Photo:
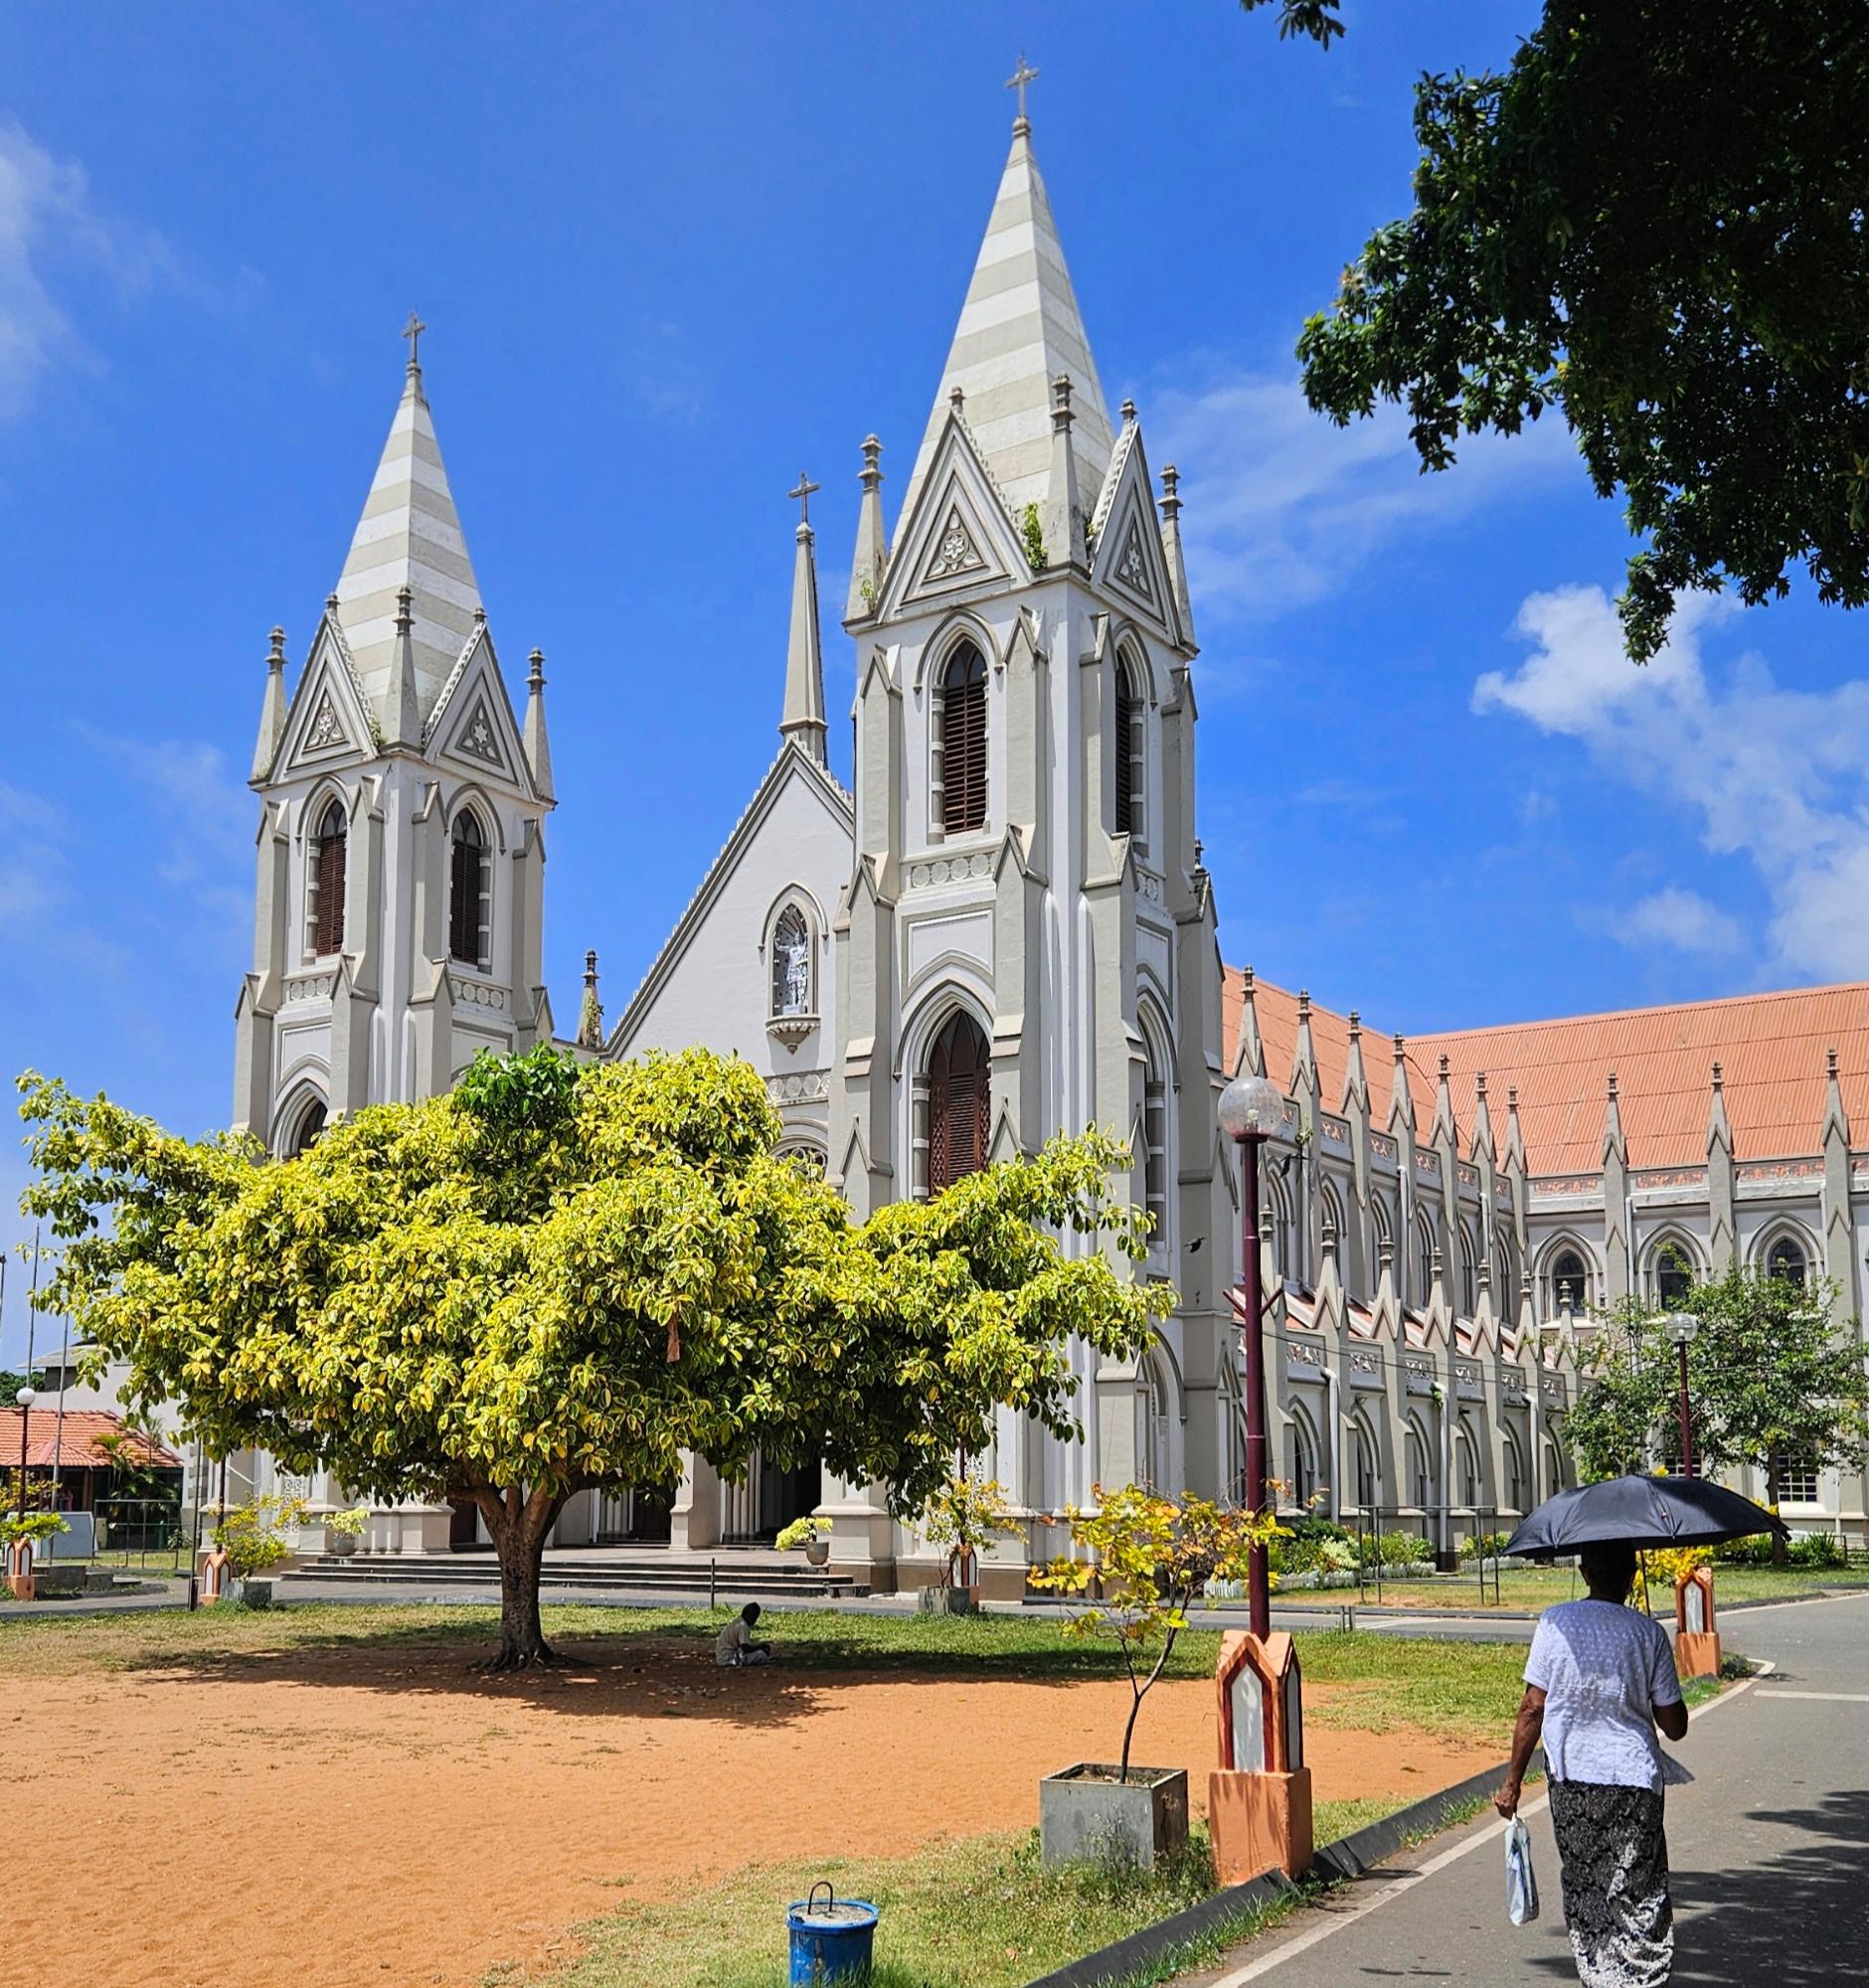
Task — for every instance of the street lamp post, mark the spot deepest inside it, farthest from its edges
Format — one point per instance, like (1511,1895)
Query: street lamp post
(1681,1326)
(1251,1109)
(25,1399)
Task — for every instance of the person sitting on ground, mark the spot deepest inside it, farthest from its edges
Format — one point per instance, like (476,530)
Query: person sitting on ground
(735,1646)
(1598,1682)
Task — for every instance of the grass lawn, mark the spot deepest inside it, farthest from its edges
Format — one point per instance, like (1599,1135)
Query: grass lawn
(1532,1589)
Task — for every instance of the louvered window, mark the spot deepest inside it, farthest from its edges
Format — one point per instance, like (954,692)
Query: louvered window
(1155,1155)
(961,773)
(959,1103)
(326,911)
(1130,814)
(468,894)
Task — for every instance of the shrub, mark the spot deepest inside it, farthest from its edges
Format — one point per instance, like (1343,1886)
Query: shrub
(1817,1550)
(1488,1546)
(348,1525)
(1668,1566)
(1395,1549)
(253,1535)
(802,1532)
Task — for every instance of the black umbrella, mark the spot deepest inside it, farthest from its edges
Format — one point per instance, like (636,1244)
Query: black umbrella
(1645,1511)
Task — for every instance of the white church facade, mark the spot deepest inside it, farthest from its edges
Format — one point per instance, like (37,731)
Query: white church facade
(1005,929)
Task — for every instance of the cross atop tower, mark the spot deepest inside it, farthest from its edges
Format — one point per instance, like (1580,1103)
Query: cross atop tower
(412,331)
(802,496)
(1018,81)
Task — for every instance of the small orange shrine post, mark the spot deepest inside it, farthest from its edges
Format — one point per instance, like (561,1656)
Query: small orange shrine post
(1259,1800)
(22,1582)
(214,1575)
(1696,1639)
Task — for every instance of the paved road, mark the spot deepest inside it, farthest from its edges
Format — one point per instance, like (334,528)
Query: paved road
(1769,1849)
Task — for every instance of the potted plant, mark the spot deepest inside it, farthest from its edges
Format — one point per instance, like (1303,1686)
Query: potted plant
(812,1534)
(966,1514)
(252,1536)
(1149,1556)
(344,1529)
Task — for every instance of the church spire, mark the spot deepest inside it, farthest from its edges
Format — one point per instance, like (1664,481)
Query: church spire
(1172,548)
(408,537)
(272,712)
(803,717)
(1019,329)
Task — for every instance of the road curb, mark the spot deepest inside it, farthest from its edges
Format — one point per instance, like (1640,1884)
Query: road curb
(1348,1857)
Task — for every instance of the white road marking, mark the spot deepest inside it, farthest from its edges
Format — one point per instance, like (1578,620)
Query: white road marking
(1255,1970)
(1828,1696)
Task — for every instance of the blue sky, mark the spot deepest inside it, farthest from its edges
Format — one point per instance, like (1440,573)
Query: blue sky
(669,256)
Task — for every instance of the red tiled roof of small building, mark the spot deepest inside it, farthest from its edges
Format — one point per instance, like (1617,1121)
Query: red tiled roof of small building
(76,1447)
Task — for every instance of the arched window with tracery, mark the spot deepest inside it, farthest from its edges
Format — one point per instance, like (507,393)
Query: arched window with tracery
(1424,1254)
(791,964)
(1671,1270)
(1469,1274)
(1130,754)
(959,1104)
(468,903)
(1787,1258)
(1570,1283)
(1420,1470)
(1304,1457)
(960,734)
(325,876)
(1514,1474)
(1155,1149)
(305,1128)
(1366,1472)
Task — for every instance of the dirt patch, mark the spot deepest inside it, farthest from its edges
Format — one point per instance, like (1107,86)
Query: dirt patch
(322,1819)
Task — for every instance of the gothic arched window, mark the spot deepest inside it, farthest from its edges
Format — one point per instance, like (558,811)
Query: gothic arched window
(959,1102)
(467,893)
(1421,1472)
(1130,747)
(326,876)
(1155,1147)
(1470,1280)
(1514,1474)
(1673,1272)
(1154,1407)
(1367,1478)
(1424,1254)
(1570,1283)
(1785,1259)
(791,964)
(1303,1458)
(305,1132)
(963,734)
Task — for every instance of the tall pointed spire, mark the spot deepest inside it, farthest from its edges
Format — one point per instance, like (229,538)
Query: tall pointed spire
(1019,329)
(803,717)
(538,744)
(402,700)
(871,563)
(272,711)
(408,537)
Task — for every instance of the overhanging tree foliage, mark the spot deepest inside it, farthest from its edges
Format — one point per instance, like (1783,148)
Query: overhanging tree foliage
(1653,221)
(561,1276)
(1773,1381)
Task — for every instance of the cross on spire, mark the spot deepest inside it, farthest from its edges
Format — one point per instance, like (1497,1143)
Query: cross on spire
(1018,81)
(802,495)
(412,331)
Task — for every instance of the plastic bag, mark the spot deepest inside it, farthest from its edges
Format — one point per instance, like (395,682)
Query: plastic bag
(1521,1887)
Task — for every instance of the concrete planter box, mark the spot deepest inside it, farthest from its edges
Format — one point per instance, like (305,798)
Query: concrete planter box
(250,1592)
(1085,1815)
(948,1600)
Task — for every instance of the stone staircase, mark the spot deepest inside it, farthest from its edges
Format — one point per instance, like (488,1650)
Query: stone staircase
(733,1573)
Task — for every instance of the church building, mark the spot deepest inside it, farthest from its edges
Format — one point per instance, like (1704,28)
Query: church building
(1004,929)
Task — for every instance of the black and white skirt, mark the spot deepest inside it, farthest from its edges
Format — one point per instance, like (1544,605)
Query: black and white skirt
(1613,1859)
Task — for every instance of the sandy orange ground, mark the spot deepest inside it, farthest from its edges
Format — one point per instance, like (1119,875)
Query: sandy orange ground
(323,1819)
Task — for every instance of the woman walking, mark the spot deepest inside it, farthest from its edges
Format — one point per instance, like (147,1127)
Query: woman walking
(1598,1682)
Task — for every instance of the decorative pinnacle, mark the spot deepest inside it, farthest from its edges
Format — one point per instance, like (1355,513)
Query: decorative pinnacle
(412,331)
(1829,1061)
(330,603)
(404,609)
(1305,1002)
(1018,79)
(957,399)
(1401,1046)
(1170,486)
(1128,412)
(803,497)
(591,957)
(1060,404)
(1511,1097)
(276,658)
(1716,1079)
(535,679)
(480,615)
(1444,1062)
(1479,1083)
(1246,978)
(1613,1085)
(871,472)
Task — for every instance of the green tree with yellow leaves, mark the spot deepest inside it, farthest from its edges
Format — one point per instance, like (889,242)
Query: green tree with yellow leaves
(561,1276)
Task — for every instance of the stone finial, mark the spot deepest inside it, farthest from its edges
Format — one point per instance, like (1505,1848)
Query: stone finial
(1062,416)
(1444,1062)
(871,475)
(330,602)
(1356,1023)
(957,399)
(404,609)
(535,679)
(1830,1056)
(480,615)
(591,1011)
(1246,976)
(1613,1086)
(1479,1085)
(1304,1003)
(1511,1095)
(1129,414)
(276,654)
(1401,1047)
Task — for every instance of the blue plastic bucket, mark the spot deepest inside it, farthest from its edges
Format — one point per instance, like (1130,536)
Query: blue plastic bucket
(831,1938)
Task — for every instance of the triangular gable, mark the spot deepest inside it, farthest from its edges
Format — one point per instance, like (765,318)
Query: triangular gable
(1126,558)
(472,725)
(792,763)
(959,534)
(328,722)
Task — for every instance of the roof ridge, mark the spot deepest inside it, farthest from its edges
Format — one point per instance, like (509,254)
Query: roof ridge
(1656,1008)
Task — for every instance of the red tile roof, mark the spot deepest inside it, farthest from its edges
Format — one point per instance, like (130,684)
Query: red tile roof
(76,1448)
(1772,1049)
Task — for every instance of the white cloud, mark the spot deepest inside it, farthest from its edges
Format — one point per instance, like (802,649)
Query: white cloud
(200,813)
(51,226)
(1775,773)
(1283,505)
(1683,920)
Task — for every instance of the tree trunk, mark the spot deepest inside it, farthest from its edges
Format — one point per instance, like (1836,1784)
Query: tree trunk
(1780,1552)
(519,1522)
